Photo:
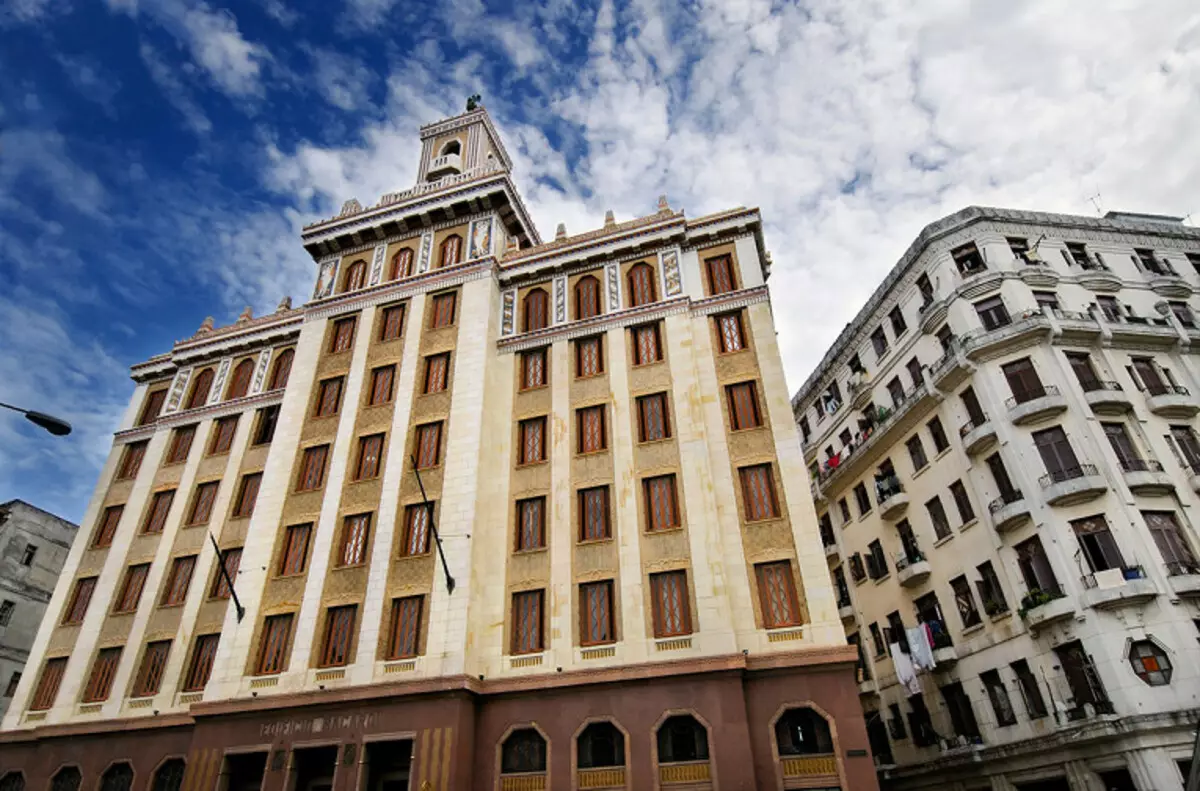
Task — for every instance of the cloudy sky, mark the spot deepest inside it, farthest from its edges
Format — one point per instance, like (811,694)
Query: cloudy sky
(158,157)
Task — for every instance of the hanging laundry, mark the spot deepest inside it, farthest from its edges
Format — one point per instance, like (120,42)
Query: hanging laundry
(922,647)
(905,673)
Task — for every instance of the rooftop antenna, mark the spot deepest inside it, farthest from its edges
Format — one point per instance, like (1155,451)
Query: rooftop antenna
(1095,200)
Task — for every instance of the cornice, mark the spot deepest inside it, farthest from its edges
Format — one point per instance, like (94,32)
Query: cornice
(256,337)
(433,280)
(211,411)
(599,242)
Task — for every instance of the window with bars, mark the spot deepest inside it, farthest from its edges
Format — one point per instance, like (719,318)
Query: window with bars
(587,298)
(48,683)
(450,252)
(153,406)
(672,609)
(729,332)
(442,314)
(104,670)
(356,535)
(341,337)
(179,579)
(154,665)
(273,645)
(535,310)
(239,383)
(106,528)
(329,397)
(391,323)
(743,406)
(591,429)
(401,264)
(355,276)
(181,444)
(654,422)
(202,503)
(647,344)
(131,460)
(266,420)
(533,369)
(81,597)
(312,468)
(532,437)
(131,588)
(594,524)
(247,495)
(777,594)
(404,636)
(339,635)
(720,274)
(527,635)
(200,386)
(370,454)
(382,381)
(200,668)
(589,357)
(429,445)
(437,373)
(223,431)
(531,524)
(282,369)
(758,492)
(662,503)
(641,285)
(596,613)
(417,519)
(293,556)
(231,559)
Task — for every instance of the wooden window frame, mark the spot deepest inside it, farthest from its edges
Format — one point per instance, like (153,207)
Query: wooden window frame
(220,589)
(523,541)
(523,427)
(133,585)
(602,492)
(181,444)
(433,362)
(438,307)
(644,407)
(278,629)
(782,571)
(106,528)
(428,452)
(658,586)
(153,524)
(772,495)
(374,398)
(307,458)
(153,668)
(264,417)
(402,630)
(131,460)
(281,368)
(198,394)
(412,528)
(46,691)
(596,308)
(534,600)
(240,379)
(726,260)
(543,367)
(737,403)
(535,310)
(671,480)
(223,433)
(722,341)
(152,406)
(329,397)
(201,509)
(179,581)
(200,665)
(354,549)
(354,277)
(337,641)
(100,679)
(341,335)
(655,330)
(80,601)
(579,356)
(391,323)
(639,278)
(364,468)
(247,496)
(450,251)
(401,266)
(588,636)
(289,558)
(583,416)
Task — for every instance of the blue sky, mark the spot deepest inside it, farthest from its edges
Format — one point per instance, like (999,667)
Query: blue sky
(158,157)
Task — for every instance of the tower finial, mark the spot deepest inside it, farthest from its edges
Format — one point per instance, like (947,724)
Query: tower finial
(561,233)
(609,220)
(663,206)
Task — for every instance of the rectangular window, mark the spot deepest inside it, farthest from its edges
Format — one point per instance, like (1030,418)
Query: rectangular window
(370,452)
(990,592)
(896,317)
(231,559)
(1035,567)
(879,342)
(356,533)
(342,336)
(131,460)
(405,635)
(273,646)
(594,523)
(416,529)
(915,372)
(533,369)
(153,406)
(1172,545)
(916,452)
(154,664)
(203,655)
(1085,373)
(962,716)
(100,681)
(429,445)
(531,523)
(339,634)
(107,527)
(1057,454)
(964,599)
(1189,447)
(329,397)
(662,504)
(1023,380)
(443,311)
(672,609)
(131,588)
(13,681)
(647,344)
(223,431)
(595,613)
(844,510)
(81,597)
(653,420)
(992,313)
(392,323)
(532,436)
(937,517)
(1046,299)
(962,502)
(294,555)
(862,500)
(6,611)
(998,695)
(743,406)
(729,332)
(589,357)
(777,593)
(1122,445)
(720,274)
(527,622)
(264,430)
(47,688)
(1096,540)
(247,495)
(877,641)
(940,443)
(180,444)
(968,259)
(591,430)
(758,492)
(382,381)
(437,372)
(312,468)
(857,572)
(202,504)
(178,581)
(1035,704)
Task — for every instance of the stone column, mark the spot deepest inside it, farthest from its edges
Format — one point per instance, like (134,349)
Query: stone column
(1081,777)
(1153,768)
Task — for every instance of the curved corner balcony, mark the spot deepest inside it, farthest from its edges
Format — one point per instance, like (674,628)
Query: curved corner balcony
(1039,276)
(1072,485)
(1100,280)
(1184,577)
(1106,398)
(1119,587)
(1146,476)
(932,314)
(1143,331)
(911,572)
(1040,404)
(979,282)
(1171,402)
(1075,326)
(951,369)
(1042,607)
(1009,510)
(832,553)
(1169,284)
(977,436)
(1022,331)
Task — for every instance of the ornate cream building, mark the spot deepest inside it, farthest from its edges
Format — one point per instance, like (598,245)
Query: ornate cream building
(497,513)
(1005,464)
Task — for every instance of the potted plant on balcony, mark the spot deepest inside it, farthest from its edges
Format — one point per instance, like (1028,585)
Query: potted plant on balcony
(993,608)
(1032,600)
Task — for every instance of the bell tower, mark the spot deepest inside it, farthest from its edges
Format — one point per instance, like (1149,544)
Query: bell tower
(461,144)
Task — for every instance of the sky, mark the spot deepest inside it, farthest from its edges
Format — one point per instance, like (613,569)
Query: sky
(159,157)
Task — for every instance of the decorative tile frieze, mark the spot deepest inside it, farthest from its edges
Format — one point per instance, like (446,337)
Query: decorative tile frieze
(560,300)
(377,264)
(326,275)
(425,253)
(614,286)
(178,388)
(508,311)
(210,411)
(218,385)
(401,289)
(481,237)
(671,273)
(260,371)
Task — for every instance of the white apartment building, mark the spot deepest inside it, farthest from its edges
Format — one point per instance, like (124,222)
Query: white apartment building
(1002,448)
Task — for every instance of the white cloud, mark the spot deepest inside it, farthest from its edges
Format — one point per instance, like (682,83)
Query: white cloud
(39,157)
(92,80)
(23,11)
(342,80)
(367,13)
(178,94)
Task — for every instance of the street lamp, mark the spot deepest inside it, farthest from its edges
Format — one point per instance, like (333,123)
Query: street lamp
(56,426)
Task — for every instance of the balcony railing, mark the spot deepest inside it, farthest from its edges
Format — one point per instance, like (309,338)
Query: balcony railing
(971,425)
(1067,474)
(905,559)
(1140,465)
(1096,385)
(1031,394)
(1129,572)
(881,419)
(1180,568)
(887,487)
(1162,389)
(1005,498)
(1039,596)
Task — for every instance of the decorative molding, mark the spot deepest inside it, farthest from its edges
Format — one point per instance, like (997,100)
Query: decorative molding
(326,277)
(218,385)
(605,243)
(377,264)
(560,300)
(707,243)
(480,234)
(401,289)
(178,388)
(271,334)
(209,411)
(425,252)
(508,303)
(260,371)
(601,323)
(730,300)
(671,273)
(612,275)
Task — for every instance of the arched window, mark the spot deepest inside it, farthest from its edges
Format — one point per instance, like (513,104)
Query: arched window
(402,264)
(587,298)
(200,387)
(537,310)
(641,285)
(118,777)
(680,739)
(13,781)
(355,276)
(803,732)
(601,745)
(523,752)
(453,147)
(1150,662)
(451,252)
(282,369)
(169,776)
(239,385)
(67,779)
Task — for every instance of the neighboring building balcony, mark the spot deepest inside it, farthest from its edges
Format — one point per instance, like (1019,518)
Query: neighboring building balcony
(1141,330)
(1170,284)
(1022,331)
(685,775)
(1070,325)
(860,390)
(912,569)
(1009,510)
(845,610)
(883,428)
(1034,405)
(1193,477)
(445,165)
(1171,402)
(891,496)
(1043,606)
(1146,476)
(1117,587)
(1106,398)
(1100,279)
(979,281)
(951,369)
(932,313)
(977,436)
(1184,577)
(830,544)
(1072,485)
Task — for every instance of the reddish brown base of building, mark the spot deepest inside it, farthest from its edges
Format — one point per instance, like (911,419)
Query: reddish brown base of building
(445,734)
